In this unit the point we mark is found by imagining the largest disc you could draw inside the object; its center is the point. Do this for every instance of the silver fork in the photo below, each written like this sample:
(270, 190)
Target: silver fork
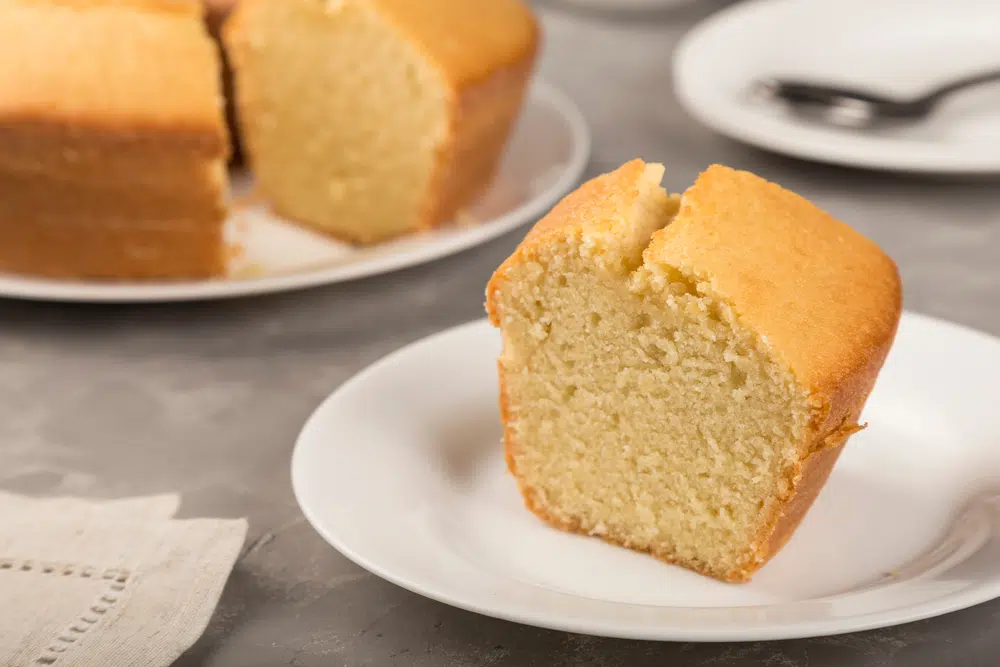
(856, 107)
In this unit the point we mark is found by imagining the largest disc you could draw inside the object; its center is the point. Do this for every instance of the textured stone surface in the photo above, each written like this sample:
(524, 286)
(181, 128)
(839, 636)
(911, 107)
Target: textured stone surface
(207, 399)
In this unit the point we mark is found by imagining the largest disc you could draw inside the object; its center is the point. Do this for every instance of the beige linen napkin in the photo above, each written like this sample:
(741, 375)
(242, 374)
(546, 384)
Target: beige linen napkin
(101, 584)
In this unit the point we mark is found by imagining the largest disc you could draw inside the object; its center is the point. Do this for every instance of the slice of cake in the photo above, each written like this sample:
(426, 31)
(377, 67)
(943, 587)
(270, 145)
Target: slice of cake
(679, 374)
(112, 140)
(367, 119)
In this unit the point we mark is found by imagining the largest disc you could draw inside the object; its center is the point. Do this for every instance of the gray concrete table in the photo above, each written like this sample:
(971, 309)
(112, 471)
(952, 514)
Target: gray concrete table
(207, 399)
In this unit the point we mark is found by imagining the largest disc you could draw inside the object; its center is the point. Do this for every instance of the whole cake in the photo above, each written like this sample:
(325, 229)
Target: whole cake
(367, 119)
(680, 374)
(112, 140)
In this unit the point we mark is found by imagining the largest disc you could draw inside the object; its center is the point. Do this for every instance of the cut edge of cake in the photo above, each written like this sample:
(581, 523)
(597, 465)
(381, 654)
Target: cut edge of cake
(481, 77)
(836, 381)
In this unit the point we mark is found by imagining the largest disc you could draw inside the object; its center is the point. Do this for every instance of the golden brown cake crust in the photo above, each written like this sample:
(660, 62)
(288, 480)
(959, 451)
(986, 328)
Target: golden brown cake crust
(96, 44)
(481, 125)
(113, 251)
(825, 300)
(112, 140)
(468, 41)
(97, 115)
(90, 151)
(487, 71)
(179, 7)
(40, 198)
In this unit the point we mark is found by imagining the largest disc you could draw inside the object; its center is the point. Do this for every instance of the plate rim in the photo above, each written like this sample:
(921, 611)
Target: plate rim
(964, 598)
(51, 290)
(726, 124)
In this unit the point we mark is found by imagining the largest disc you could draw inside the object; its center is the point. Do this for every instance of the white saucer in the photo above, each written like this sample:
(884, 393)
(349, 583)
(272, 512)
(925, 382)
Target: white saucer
(401, 469)
(545, 158)
(900, 46)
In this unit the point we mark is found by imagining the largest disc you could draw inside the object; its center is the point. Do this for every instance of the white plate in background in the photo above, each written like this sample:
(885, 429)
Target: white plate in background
(402, 470)
(902, 47)
(545, 158)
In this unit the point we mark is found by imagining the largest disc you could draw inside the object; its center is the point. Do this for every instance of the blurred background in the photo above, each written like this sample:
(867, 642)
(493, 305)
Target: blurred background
(206, 398)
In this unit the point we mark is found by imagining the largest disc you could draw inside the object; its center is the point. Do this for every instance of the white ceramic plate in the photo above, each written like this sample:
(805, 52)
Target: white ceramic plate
(402, 470)
(545, 158)
(900, 46)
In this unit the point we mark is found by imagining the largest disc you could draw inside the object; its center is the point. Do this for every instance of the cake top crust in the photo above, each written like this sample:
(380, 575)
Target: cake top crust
(129, 65)
(468, 41)
(178, 7)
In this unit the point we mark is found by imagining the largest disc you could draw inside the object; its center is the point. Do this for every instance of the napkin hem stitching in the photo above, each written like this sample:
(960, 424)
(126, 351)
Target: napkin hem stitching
(117, 579)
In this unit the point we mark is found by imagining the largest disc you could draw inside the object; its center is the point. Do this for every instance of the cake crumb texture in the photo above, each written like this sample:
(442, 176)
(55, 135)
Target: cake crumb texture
(680, 373)
(368, 119)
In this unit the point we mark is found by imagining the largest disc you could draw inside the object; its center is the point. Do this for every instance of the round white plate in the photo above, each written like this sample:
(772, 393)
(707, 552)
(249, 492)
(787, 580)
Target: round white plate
(900, 46)
(402, 470)
(545, 157)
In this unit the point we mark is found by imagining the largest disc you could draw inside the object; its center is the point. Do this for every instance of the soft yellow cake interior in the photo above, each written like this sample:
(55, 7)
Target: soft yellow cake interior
(368, 119)
(643, 412)
(331, 128)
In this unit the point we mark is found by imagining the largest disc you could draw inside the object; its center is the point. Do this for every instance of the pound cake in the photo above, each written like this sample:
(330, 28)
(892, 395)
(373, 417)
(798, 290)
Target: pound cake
(367, 119)
(680, 374)
(112, 140)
